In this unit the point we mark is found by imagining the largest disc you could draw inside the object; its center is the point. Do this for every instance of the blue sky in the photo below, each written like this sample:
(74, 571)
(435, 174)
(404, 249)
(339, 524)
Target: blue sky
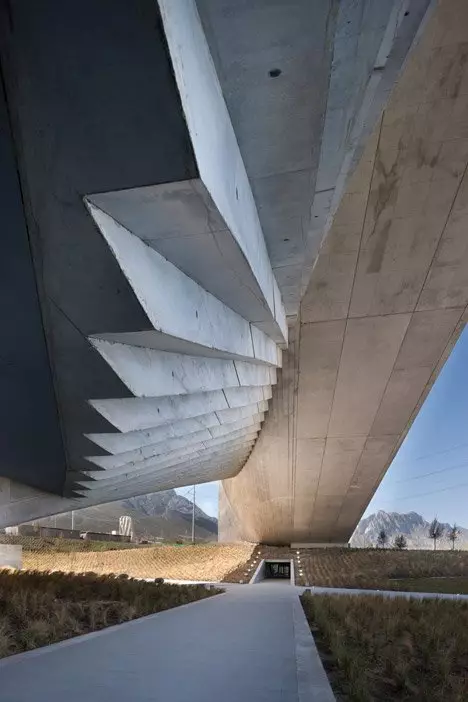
(206, 497)
(430, 472)
(433, 459)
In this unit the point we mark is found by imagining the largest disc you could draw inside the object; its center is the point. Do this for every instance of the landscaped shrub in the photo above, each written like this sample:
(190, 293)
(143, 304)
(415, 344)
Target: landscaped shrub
(377, 648)
(39, 608)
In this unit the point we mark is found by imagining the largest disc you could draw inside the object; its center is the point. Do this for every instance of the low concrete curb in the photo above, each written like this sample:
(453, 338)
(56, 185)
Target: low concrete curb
(258, 574)
(312, 680)
(316, 590)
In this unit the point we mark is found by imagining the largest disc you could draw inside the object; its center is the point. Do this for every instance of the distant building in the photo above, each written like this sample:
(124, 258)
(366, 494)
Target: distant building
(126, 526)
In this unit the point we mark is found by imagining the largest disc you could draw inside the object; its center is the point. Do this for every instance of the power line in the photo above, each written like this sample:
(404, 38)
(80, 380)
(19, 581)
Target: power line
(442, 451)
(433, 472)
(187, 493)
(432, 492)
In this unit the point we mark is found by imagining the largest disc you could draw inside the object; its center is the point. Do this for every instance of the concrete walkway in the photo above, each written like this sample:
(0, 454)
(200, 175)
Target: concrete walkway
(251, 644)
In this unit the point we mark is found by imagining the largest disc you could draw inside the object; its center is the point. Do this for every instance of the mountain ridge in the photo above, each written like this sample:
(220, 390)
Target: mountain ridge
(411, 524)
(161, 515)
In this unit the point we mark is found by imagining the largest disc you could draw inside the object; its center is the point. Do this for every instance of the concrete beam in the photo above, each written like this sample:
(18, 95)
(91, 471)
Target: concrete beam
(119, 443)
(217, 153)
(175, 470)
(163, 448)
(189, 320)
(150, 373)
(174, 457)
(208, 409)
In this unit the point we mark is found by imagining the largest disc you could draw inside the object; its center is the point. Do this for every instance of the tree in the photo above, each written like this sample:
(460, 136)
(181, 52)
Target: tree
(453, 534)
(400, 542)
(436, 531)
(382, 539)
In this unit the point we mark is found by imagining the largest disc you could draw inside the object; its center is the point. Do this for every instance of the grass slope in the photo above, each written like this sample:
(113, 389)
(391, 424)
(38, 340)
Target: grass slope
(422, 571)
(376, 648)
(37, 609)
(41, 544)
(199, 562)
(386, 569)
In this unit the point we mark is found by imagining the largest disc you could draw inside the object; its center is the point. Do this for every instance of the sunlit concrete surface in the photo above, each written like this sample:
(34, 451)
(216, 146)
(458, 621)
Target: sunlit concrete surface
(385, 304)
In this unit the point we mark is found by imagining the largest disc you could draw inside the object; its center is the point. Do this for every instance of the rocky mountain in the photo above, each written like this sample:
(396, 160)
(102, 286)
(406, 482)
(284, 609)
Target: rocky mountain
(169, 504)
(412, 525)
(162, 515)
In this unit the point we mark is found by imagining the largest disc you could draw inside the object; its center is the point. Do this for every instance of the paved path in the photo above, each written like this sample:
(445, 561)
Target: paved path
(251, 644)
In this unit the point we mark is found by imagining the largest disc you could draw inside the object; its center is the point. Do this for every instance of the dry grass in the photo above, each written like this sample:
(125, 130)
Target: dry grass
(377, 648)
(199, 562)
(41, 544)
(37, 609)
(444, 571)
(378, 569)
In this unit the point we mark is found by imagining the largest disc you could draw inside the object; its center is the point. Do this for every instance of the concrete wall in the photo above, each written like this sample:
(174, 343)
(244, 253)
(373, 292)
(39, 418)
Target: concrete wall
(11, 556)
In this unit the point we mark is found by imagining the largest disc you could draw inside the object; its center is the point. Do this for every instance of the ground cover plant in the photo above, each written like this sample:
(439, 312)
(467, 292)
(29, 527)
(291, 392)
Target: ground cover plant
(37, 609)
(381, 569)
(381, 649)
(199, 562)
(40, 544)
(385, 569)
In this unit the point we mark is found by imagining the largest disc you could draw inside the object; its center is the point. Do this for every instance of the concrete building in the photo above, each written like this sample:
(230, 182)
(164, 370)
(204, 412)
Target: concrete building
(233, 249)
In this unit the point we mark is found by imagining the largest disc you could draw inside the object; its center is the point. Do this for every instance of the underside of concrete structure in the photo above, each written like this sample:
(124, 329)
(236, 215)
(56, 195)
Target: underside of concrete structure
(233, 249)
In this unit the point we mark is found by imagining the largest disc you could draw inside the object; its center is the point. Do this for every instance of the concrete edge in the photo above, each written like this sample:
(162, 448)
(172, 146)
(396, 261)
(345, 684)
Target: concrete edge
(259, 571)
(42, 650)
(316, 590)
(312, 681)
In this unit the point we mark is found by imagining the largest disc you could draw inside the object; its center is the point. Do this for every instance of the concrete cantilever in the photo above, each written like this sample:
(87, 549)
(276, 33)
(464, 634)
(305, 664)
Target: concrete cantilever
(205, 224)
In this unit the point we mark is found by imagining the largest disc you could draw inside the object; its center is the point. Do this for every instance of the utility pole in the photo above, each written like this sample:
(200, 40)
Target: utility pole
(193, 516)
(73, 518)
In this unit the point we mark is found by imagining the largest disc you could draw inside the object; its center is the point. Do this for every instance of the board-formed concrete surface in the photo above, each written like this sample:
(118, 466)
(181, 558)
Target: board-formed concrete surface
(252, 643)
(385, 304)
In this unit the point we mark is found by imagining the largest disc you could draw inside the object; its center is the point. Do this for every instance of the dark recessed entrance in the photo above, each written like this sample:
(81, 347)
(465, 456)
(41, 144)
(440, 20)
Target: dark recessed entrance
(277, 570)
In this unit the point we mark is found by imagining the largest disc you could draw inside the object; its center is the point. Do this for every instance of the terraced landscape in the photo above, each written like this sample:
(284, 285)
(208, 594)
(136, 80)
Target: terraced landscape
(200, 562)
(387, 569)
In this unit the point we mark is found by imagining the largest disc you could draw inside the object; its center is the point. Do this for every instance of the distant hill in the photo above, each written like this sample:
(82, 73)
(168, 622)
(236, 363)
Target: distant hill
(412, 525)
(160, 515)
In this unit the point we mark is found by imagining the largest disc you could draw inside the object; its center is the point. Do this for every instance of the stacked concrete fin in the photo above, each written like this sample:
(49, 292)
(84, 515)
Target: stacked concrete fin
(201, 379)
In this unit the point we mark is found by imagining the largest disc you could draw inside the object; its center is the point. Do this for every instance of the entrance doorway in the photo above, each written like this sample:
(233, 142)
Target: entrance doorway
(277, 570)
